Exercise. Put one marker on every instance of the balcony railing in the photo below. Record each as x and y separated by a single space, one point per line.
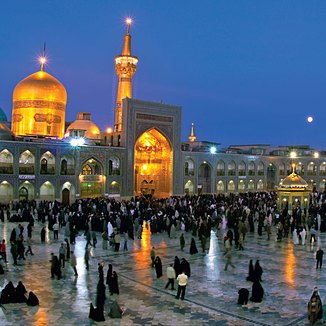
6 170
251 172
220 172
49 170
231 172
26 170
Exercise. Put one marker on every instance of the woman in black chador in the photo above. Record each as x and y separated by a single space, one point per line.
185 267
177 266
114 286
43 232
109 276
257 292
97 313
251 274
193 248
258 271
158 267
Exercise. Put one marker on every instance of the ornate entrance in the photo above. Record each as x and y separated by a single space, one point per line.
23 193
65 196
153 164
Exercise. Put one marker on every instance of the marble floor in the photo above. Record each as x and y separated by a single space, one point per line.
211 295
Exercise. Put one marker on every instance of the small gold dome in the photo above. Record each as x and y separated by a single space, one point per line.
294 181
39 106
40 86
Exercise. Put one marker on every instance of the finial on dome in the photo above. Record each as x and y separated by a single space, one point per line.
192 136
43 58
293 167
128 22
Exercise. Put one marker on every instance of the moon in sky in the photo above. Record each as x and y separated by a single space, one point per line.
310 119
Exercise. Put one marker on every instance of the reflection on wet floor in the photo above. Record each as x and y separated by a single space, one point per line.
211 296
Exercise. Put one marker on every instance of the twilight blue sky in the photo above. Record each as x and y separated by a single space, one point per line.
246 71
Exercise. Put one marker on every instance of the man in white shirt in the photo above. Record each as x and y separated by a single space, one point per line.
182 283
170 273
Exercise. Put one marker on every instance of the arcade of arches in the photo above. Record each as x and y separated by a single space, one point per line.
153 164
91 179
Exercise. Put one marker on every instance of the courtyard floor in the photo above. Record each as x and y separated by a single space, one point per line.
211 295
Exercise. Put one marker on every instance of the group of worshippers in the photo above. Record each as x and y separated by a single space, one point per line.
97 313
18 294
257 293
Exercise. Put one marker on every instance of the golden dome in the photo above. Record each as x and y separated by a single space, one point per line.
39 106
84 122
40 86
294 181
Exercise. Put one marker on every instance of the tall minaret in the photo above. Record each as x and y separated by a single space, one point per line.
125 67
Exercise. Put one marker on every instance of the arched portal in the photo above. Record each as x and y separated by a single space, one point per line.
204 178
26 191
68 194
6 192
153 164
91 179
271 177
189 188
47 191
6 162
220 188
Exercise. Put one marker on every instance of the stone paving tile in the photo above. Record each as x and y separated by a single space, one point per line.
211 296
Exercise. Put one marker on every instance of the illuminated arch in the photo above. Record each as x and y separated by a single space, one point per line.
153 164
47 191
220 187
241 186
6 162
189 188
260 185
6 192
231 186
26 163
47 163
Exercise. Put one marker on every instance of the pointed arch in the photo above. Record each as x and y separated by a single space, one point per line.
153 155
67 165
189 188
242 186
220 187
231 186
242 168
6 162
220 169
189 168
6 192
47 191
251 168
26 163
260 185
231 168
261 168
114 165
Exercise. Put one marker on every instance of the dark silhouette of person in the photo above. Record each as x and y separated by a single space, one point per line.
251 273
319 258
177 266
114 286
185 267
193 247
258 272
257 292
243 296
158 266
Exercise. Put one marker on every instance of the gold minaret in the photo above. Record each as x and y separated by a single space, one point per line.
125 67
192 136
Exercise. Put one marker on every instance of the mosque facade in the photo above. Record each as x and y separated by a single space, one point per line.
43 159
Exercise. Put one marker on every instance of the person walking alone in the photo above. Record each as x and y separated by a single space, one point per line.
73 262
170 273
319 257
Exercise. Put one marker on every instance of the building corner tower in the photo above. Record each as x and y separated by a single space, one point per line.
125 67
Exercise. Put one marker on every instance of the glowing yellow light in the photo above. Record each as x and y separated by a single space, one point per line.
109 130
293 154
316 155
128 20
42 60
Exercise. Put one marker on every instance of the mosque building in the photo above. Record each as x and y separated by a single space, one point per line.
43 159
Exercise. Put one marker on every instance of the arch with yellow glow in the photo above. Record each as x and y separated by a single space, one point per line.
153 164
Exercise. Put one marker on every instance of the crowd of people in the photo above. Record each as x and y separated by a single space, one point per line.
232 215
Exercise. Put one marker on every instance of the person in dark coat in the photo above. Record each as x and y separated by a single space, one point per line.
114 285
43 232
177 266
258 271
67 249
257 292
251 273
193 248
20 293
243 296
185 267
158 266
97 313
8 294
109 276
